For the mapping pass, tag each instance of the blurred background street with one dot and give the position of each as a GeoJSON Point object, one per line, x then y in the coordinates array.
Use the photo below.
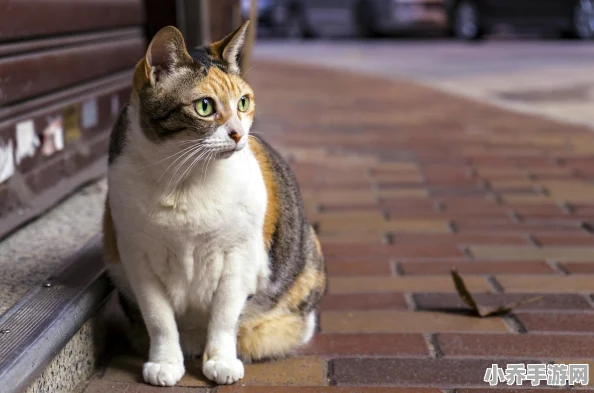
{"type": "Point", "coordinates": [549, 77]}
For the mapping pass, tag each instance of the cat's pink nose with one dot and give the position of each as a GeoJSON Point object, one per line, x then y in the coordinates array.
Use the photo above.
{"type": "Point", "coordinates": [235, 136]}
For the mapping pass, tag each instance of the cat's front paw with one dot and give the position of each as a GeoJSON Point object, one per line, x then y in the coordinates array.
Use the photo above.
{"type": "Point", "coordinates": [223, 371]}
{"type": "Point", "coordinates": [162, 374]}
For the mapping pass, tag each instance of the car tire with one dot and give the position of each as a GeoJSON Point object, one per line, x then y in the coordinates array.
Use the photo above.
{"type": "Point", "coordinates": [466, 19]}
{"type": "Point", "coordinates": [365, 20]}
{"type": "Point", "coordinates": [583, 20]}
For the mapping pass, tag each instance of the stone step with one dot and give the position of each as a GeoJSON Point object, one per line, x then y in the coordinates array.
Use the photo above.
{"type": "Point", "coordinates": [52, 338]}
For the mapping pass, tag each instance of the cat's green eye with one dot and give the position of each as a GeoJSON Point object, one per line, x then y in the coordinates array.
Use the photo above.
{"type": "Point", "coordinates": [243, 104]}
{"type": "Point", "coordinates": [205, 107]}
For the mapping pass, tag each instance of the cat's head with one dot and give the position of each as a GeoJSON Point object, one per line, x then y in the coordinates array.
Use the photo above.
{"type": "Point", "coordinates": [197, 95]}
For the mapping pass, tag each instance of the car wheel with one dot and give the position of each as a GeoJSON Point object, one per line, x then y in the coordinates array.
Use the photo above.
{"type": "Point", "coordinates": [583, 19]}
{"type": "Point", "coordinates": [365, 20]}
{"type": "Point", "coordinates": [466, 21]}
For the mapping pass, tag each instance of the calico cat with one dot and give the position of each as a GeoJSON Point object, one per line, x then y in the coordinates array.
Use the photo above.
{"type": "Point", "coordinates": [204, 226]}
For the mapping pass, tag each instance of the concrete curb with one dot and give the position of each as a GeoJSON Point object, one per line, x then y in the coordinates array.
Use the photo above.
{"type": "Point", "coordinates": [35, 329]}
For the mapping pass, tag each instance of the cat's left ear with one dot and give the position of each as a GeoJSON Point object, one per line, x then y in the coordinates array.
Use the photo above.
{"type": "Point", "coordinates": [229, 47]}
{"type": "Point", "coordinates": [166, 52]}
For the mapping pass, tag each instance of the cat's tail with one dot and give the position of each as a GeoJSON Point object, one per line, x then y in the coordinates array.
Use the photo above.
{"type": "Point", "coordinates": [274, 336]}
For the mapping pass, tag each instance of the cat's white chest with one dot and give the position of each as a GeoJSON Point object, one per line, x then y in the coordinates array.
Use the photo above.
{"type": "Point", "coordinates": [190, 275]}
{"type": "Point", "coordinates": [186, 236]}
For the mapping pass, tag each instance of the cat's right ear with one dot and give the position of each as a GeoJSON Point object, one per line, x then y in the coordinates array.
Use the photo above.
{"type": "Point", "coordinates": [166, 52]}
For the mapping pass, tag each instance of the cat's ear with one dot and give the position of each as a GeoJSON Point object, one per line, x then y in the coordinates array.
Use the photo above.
{"type": "Point", "coordinates": [229, 47]}
{"type": "Point", "coordinates": [166, 52]}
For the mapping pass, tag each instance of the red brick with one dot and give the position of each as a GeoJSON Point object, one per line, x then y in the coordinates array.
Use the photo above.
{"type": "Point", "coordinates": [460, 239]}
{"type": "Point", "coordinates": [471, 206]}
{"type": "Point", "coordinates": [364, 301]}
{"type": "Point", "coordinates": [432, 213]}
{"type": "Point", "coordinates": [583, 210]}
{"type": "Point", "coordinates": [541, 346]}
{"type": "Point", "coordinates": [443, 373]}
{"type": "Point", "coordinates": [238, 388]}
{"type": "Point", "coordinates": [351, 208]}
{"type": "Point", "coordinates": [457, 181]}
{"type": "Point", "coordinates": [435, 155]}
{"type": "Point", "coordinates": [508, 226]}
{"type": "Point", "coordinates": [396, 184]}
{"type": "Point", "coordinates": [395, 213]}
{"type": "Point", "coordinates": [534, 161]}
{"type": "Point", "coordinates": [367, 344]}
{"type": "Point", "coordinates": [398, 251]}
{"type": "Point", "coordinates": [583, 239]}
{"type": "Point", "coordinates": [458, 192]}
{"type": "Point", "coordinates": [579, 268]}
{"type": "Point", "coordinates": [557, 322]}
{"type": "Point", "coordinates": [329, 207]}
{"type": "Point", "coordinates": [408, 204]}
{"type": "Point", "coordinates": [353, 185]}
{"type": "Point", "coordinates": [441, 172]}
{"type": "Point", "coordinates": [339, 238]}
{"type": "Point", "coordinates": [448, 301]}
{"type": "Point", "coordinates": [508, 190]}
{"type": "Point", "coordinates": [475, 267]}
{"type": "Point", "coordinates": [527, 390]}
{"type": "Point", "coordinates": [541, 210]}
{"type": "Point", "coordinates": [101, 386]}
{"type": "Point", "coordinates": [518, 176]}
{"type": "Point", "coordinates": [358, 268]}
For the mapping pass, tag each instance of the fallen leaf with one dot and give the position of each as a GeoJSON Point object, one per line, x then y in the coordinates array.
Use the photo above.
{"type": "Point", "coordinates": [482, 311]}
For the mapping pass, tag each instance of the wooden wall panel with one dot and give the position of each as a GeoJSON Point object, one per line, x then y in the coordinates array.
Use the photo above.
{"type": "Point", "coordinates": [65, 72]}
{"type": "Point", "coordinates": [38, 18]}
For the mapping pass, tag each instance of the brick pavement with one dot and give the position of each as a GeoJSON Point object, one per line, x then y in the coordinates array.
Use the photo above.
{"type": "Point", "coordinates": [403, 183]}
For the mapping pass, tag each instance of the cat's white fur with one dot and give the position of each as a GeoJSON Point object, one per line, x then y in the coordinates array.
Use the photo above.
{"type": "Point", "coordinates": [189, 257]}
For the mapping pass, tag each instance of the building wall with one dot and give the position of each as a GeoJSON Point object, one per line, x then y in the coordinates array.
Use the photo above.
{"type": "Point", "coordinates": [65, 71]}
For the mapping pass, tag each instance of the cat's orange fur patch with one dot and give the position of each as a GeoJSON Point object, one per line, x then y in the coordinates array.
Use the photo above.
{"type": "Point", "coordinates": [110, 244]}
{"type": "Point", "coordinates": [272, 204]}
{"type": "Point", "coordinates": [275, 333]}
{"type": "Point", "coordinates": [272, 335]}
{"type": "Point", "coordinates": [316, 240]}
{"type": "Point", "coordinates": [307, 282]}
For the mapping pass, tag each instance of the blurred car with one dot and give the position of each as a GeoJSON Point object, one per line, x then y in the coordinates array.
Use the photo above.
{"type": "Point", "coordinates": [266, 17]}
{"type": "Point", "coordinates": [471, 19]}
{"type": "Point", "coordinates": [365, 18]}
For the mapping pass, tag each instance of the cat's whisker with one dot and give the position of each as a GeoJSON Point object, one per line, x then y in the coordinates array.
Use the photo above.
{"type": "Point", "coordinates": [245, 73]}
{"type": "Point", "coordinates": [189, 169]}
{"type": "Point", "coordinates": [199, 156]}
{"type": "Point", "coordinates": [196, 150]}
{"type": "Point", "coordinates": [188, 141]}
{"type": "Point", "coordinates": [208, 158]}
{"type": "Point", "coordinates": [189, 156]}
{"type": "Point", "coordinates": [190, 149]}
{"type": "Point", "coordinates": [202, 156]}
{"type": "Point", "coordinates": [246, 154]}
{"type": "Point", "coordinates": [167, 158]}
{"type": "Point", "coordinates": [247, 158]}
